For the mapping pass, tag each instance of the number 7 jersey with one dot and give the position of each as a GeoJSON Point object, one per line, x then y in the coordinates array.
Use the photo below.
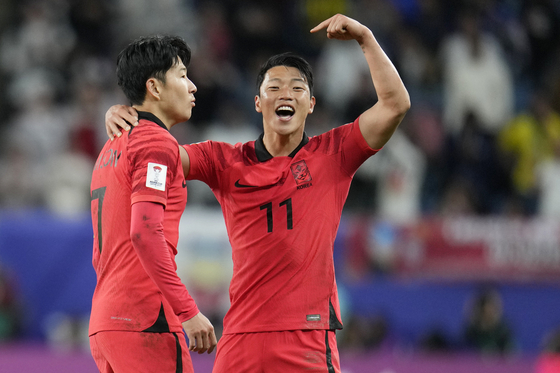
{"type": "Point", "coordinates": [143, 165]}
{"type": "Point", "coordinates": [282, 215]}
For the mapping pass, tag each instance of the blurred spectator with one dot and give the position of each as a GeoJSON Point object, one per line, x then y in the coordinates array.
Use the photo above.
{"type": "Point", "coordinates": [435, 341]}
{"type": "Point", "coordinates": [382, 16]}
{"type": "Point", "coordinates": [66, 332]}
{"type": "Point", "coordinates": [473, 158]}
{"type": "Point", "coordinates": [364, 334]}
{"type": "Point", "coordinates": [476, 77]}
{"type": "Point", "coordinates": [68, 191]}
{"type": "Point", "coordinates": [478, 100]}
{"type": "Point", "coordinates": [40, 125]}
{"type": "Point", "coordinates": [340, 71]}
{"type": "Point", "coordinates": [417, 65]}
{"type": "Point", "coordinates": [89, 19]}
{"type": "Point", "coordinates": [217, 78]}
{"type": "Point", "coordinates": [10, 307]}
{"type": "Point", "coordinates": [541, 20]}
{"type": "Point", "coordinates": [486, 330]}
{"type": "Point", "coordinates": [432, 22]}
{"type": "Point", "coordinates": [134, 18]}
{"type": "Point", "coordinates": [528, 140]}
{"type": "Point", "coordinates": [43, 39]}
{"type": "Point", "coordinates": [399, 168]}
{"type": "Point", "coordinates": [425, 130]}
{"type": "Point", "coordinates": [548, 179]}
{"type": "Point", "coordinates": [258, 27]}
{"type": "Point", "coordinates": [20, 187]}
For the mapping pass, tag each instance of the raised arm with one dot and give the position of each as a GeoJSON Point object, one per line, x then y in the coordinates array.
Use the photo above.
{"type": "Point", "coordinates": [379, 122]}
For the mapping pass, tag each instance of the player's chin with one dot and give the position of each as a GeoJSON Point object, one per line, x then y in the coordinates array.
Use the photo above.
{"type": "Point", "coordinates": [186, 116]}
{"type": "Point", "coordinates": [288, 126]}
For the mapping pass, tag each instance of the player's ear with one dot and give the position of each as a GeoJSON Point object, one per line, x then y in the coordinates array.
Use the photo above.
{"type": "Point", "coordinates": [153, 87]}
{"type": "Point", "coordinates": [311, 104]}
{"type": "Point", "coordinates": [258, 104]}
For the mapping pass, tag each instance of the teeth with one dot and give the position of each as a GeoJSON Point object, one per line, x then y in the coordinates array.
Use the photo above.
{"type": "Point", "coordinates": [285, 108]}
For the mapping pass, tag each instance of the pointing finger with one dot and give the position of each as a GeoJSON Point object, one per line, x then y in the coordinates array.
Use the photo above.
{"type": "Point", "coordinates": [321, 25]}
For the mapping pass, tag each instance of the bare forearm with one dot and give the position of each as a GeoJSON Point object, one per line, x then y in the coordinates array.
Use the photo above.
{"type": "Point", "coordinates": [386, 80]}
{"type": "Point", "coordinates": [379, 122]}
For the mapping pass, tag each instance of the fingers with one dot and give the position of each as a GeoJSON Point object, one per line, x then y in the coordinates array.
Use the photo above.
{"type": "Point", "coordinates": [132, 116]}
{"type": "Point", "coordinates": [109, 131]}
{"type": "Point", "coordinates": [118, 117]}
{"type": "Point", "coordinates": [339, 27]}
{"type": "Point", "coordinates": [321, 25]}
{"type": "Point", "coordinates": [203, 342]}
{"type": "Point", "coordinates": [333, 24]}
{"type": "Point", "coordinates": [213, 342]}
{"type": "Point", "coordinates": [113, 130]}
{"type": "Point", "coordinates": [200, 333]}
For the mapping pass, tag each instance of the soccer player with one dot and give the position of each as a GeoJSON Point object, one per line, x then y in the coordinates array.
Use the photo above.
{"type": "Point", "coordinates": [282, 198]}
{"type": "Point", "coordinates": [138, 195]}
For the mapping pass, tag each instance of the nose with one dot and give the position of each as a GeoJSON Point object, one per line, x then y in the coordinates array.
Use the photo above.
{"type": "Point", "coordinates": [286, 93]}
{"type": "Point", "coordinates": [192, 87]}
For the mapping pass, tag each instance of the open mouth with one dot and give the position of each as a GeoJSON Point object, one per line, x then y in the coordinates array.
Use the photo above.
{"type": "Point", "coordinates": [285, 112]}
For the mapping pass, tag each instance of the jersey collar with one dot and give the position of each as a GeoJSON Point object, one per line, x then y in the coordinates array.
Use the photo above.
{"type": "Point", "coordinates": [263, 155]}
{"type": "Point", "coordinates": [152, 118]}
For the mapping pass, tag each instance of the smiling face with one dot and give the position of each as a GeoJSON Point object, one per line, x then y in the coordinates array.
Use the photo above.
{"type": "Point", "coordinates": [284, 100]}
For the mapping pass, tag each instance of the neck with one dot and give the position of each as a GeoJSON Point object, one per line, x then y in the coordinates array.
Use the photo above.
{"type": "Point", "coordinates": [158, 113]}
{"type": "Point", "coordinates": [282, 145]}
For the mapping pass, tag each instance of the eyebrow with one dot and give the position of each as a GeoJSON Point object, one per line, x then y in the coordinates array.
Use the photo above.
{"type": "Point", "coordinates": [292, 80]}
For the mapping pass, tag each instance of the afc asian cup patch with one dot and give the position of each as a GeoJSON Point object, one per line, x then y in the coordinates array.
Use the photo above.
{"type": "Point", "coordinates": [301, 172]}
{"type": "Point", "coordinates": [157, 176]}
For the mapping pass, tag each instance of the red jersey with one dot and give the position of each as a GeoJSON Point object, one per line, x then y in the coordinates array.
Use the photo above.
{"type": "Point", "coordinates": [282, 215]}
{"type": "Point", "coordinates": [143, 165]}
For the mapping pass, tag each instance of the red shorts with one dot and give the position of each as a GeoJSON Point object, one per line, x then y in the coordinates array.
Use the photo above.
{"type": "Point", "coordinates": [135, 352]}
{"type": "Point", "coordinates": [271, 352]}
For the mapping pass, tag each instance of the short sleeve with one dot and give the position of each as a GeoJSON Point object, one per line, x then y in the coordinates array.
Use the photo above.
{"type": "Point", "coordinates": [354, 148]}
{"type": "Point", "coordinates": [153, 156]}
{"type": "Point", "coordinates": [201, 158]}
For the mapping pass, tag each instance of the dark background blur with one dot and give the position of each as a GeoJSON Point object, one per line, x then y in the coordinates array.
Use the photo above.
{"type": "Point", "coordinates": [450, 239]}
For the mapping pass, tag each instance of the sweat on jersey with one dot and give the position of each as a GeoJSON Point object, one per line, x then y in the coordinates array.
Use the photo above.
{"type": "Point", "coordinates": [143, 165]}
{"type": "Point", "coordinates": [282, 215]}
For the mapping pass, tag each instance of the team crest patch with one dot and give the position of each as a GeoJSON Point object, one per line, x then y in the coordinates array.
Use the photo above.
{"type": "Point", "coordinates": [301, 172]}
{"type": "Point", "coordinates": [157, 176]}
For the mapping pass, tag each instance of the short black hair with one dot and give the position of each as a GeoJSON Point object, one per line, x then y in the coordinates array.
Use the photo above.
{"type": "Point", "coordinates": [287, 59]}
{"type": "Point", "coordinates": [148, 57]}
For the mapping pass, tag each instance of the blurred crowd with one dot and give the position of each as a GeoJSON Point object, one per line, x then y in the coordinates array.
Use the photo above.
{"type": "Point", "coordinates": [482, 137]}
{"type": "Point", "coordinates": [485, 330]}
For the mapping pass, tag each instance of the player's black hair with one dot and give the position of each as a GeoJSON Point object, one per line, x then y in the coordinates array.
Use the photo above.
{"type": "Point", "coordinates": [291, 60]}
{"type": "Point", "coordinates": [148, 57]}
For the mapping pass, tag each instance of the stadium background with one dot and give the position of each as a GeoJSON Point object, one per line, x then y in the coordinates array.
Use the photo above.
{"type": "Point", "coordinates": [461, 201]}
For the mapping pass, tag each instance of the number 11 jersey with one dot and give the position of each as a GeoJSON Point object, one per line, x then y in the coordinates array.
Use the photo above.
{"type": "Point", "coordinates": [282, 215]}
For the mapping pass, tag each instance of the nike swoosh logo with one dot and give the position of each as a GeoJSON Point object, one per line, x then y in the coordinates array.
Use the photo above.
{"type": "Point", "coordinates": [238, 185]}
{"type": "Point", "coordinates": [184, 184]}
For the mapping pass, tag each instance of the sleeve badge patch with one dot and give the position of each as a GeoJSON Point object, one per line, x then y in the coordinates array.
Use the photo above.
{"type": "Point", "coordinates": [157, 176]}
